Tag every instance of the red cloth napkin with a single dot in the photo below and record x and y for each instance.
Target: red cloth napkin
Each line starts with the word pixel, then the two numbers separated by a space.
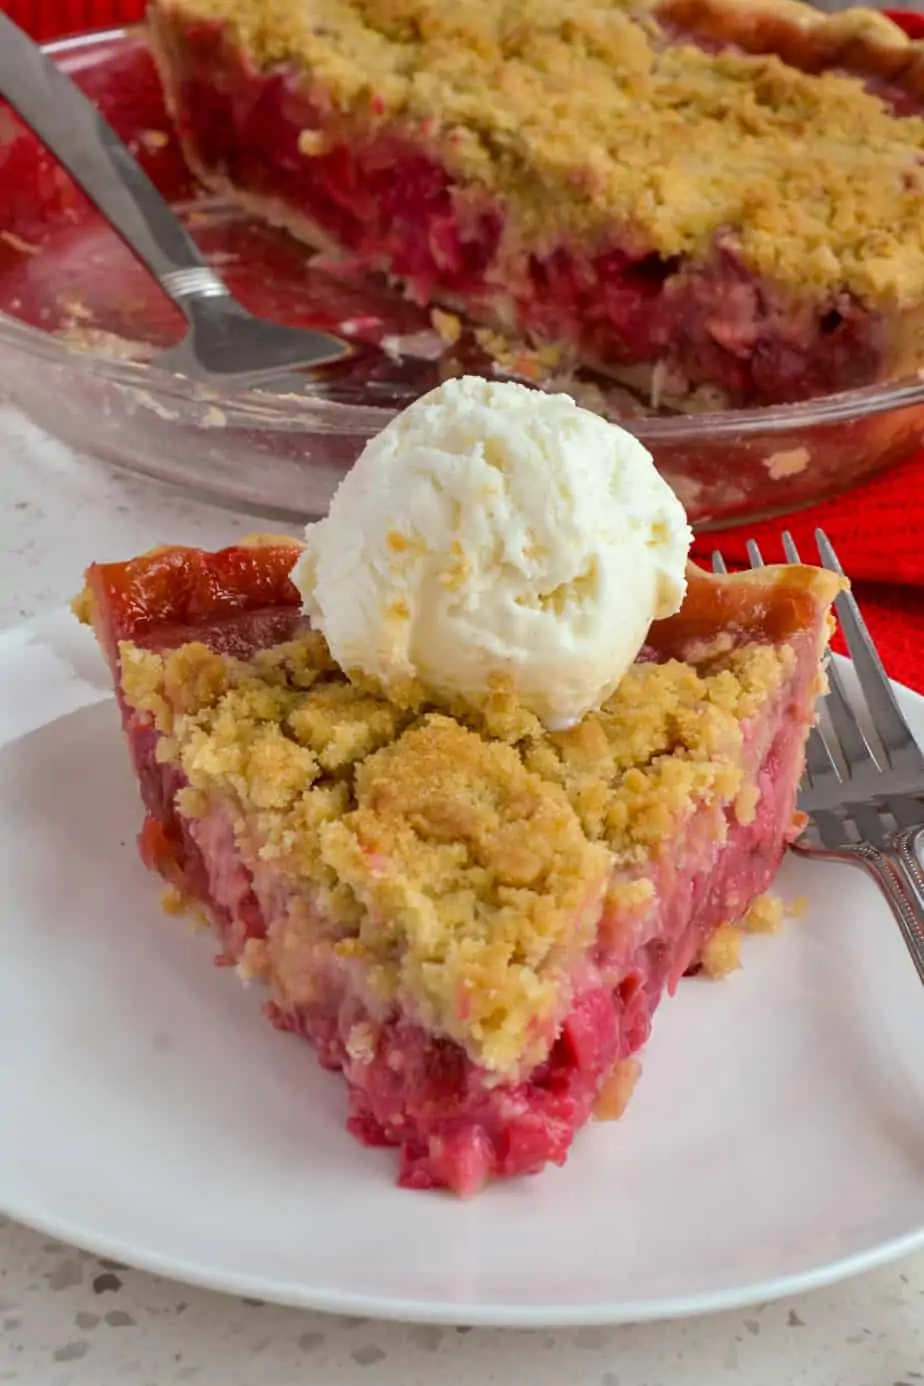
pixel 50 19
pixel 875 528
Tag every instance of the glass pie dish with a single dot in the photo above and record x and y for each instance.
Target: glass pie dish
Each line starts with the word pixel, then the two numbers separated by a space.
pixel 80 320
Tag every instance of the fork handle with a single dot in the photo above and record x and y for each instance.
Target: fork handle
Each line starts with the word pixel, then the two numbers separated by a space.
pixel 72 129
pixel 897 871
pixel 906 845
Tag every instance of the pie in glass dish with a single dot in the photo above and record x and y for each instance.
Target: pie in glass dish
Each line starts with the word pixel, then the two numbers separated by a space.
pixel 715 201
pixel 469 916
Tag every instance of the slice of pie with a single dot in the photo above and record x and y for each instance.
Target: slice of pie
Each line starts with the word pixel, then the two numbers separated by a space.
pixel 719 200
pixel 472 918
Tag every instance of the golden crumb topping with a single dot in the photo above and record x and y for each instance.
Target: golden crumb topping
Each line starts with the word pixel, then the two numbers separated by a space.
pixel 617 1089
pixel 82 607
pixel 721 954
pixel 595 118
pixel 765 915
pixel 476 876
pixel 461 860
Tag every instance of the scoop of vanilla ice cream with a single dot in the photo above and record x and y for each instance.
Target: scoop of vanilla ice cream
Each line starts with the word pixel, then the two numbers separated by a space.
pixel 491 530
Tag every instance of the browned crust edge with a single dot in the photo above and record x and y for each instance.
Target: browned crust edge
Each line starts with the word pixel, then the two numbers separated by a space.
pixel 765 603
pixel 860 40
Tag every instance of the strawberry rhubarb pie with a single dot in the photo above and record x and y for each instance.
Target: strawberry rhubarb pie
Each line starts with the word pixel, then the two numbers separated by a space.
pixel 718 200
pixel 473 777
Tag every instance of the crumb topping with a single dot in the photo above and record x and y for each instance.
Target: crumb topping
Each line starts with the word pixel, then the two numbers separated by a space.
pixel 82 607
pixel 462 859
pixel 765 915
pixel 614 1096
pixel 722 953
pixel 593 116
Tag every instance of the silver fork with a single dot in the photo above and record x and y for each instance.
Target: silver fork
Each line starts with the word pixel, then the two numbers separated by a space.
pixel 224 344
pixel 863 786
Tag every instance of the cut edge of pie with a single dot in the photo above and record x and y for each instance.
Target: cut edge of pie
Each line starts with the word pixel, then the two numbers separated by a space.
pixel 471 918
pixel 630 183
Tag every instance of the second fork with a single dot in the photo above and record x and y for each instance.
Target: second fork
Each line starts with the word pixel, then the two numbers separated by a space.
pixel 863 788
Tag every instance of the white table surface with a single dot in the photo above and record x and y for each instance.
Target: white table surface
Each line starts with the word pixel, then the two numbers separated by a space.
pixel 68 1319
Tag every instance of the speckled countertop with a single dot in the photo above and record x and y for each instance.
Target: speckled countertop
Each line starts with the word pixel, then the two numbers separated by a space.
pixel 68 1319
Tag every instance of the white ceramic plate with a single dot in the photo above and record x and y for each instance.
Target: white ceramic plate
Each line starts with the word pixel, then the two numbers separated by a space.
pixel 151 1114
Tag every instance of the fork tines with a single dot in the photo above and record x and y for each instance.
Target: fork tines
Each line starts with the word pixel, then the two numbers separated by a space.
pixel 863 765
